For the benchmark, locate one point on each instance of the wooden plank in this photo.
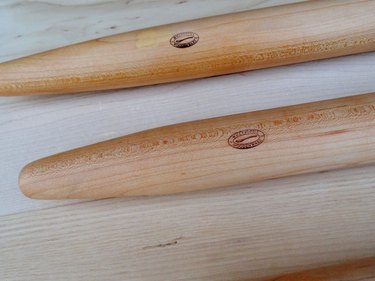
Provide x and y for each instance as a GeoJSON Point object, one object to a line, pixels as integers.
{"type": "Point", "coordinates": [266, 229]}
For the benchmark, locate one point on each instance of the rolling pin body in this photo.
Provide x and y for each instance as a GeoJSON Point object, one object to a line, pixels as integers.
{"type": "Point", "coordinates": [200, 48]}
{"type": "Point", "coordinates": [218, 152]}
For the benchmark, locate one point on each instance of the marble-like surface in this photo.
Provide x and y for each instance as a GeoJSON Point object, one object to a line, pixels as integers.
{"type": "Point", "coordinates": [237, 233]}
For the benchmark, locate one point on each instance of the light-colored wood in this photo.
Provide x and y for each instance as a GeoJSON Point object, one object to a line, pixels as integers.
{"type": "Point", "coordinates": [230, 43]}
{"type": "Point", "coordinates": [219, 152]}
{"type": "Point", "coordinates": [66, 22]}
{"type": "Point", "coordinates": [39, 126]}
{"type": "Point", "coordinates": [251, 233]}
{"type": "Point", "coordinates": [82, 119]}
{"type": "Point", "coordinates": [266, 229]}
{"type": "Point", "coordinates": [360, 270]}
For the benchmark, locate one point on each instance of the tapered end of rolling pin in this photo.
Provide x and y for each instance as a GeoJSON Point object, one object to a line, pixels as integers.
{"type": "Point", "coordinates": [25, 182]}
{"type": "Point", "coordinates": [48, 179]}
{"type": "Point", "coordinates": [219, 152]}
{"type": "Point", "coordinates": [70, 69]}
{"type": "Point", "coordinates": [311, 30]}
{"type": "Point", "coordinates": [60, 176]}
{"type": "Point", "coordinates": [44, 73]}
{"type": "Point", "coordinates": [51, 178]}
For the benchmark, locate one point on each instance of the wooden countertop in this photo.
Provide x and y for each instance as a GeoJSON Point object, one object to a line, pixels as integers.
{"type": "Point", "coordinates": [240, 233]}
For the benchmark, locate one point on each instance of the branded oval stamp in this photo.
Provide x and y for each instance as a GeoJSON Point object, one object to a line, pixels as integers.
{"type": "Point", "coordinates": [184, 39]}
{"type": "Point", "coordinates": [246, 139]}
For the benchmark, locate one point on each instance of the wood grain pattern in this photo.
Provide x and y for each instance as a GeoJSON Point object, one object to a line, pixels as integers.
{"type": "Point", "coordinates": [361, 270]}
{"type": "Point", "coordinates": [266, 229]}
{"type": "Point", "coordinates": [66, 22]}
{"type": "Point", "coordinates": [229, 43]}
{"type": "Point", "coordinates": [219, 152]}
{"type": "Point", "coordinates": [107, 115]}
{"type": "Point", "coordinates": [46, 125]}
{"type": "Point", "coordinates": [255, 232]}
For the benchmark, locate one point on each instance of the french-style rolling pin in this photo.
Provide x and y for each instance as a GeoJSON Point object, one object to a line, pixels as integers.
{"type": "Point", "coordinates": [218, 152]}
{"type": "Point", "coordinates": [360, 270]}
{"type": "Point", "coordinates": [212, 46]}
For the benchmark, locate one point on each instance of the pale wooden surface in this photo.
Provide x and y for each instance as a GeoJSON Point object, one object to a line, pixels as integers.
{"type": "Point", "coordinates": [358, 270]}
{"type": "Point", "coordinates": [271, 228]}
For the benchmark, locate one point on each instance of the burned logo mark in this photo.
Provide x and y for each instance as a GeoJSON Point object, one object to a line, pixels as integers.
{"type": "Point", "coordinates": [246, 139]}
{"type": "Point", "coordinates": [184, 39]}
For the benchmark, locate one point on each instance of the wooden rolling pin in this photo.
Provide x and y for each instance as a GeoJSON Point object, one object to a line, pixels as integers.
{"type": "Point", "coordinates": [218, 152]}
{"type": "Point", "coordinates": [360, 270]}
{"type": "Point", "coordinates": [212, 46]}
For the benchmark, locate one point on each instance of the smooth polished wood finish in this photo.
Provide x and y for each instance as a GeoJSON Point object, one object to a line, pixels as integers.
{"type": "Point", "coordinates": [211, 153]}
{"type": "Point", "coordinates": [230, 43]}
{"type": "Point", "coordinates": [360, 270]}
